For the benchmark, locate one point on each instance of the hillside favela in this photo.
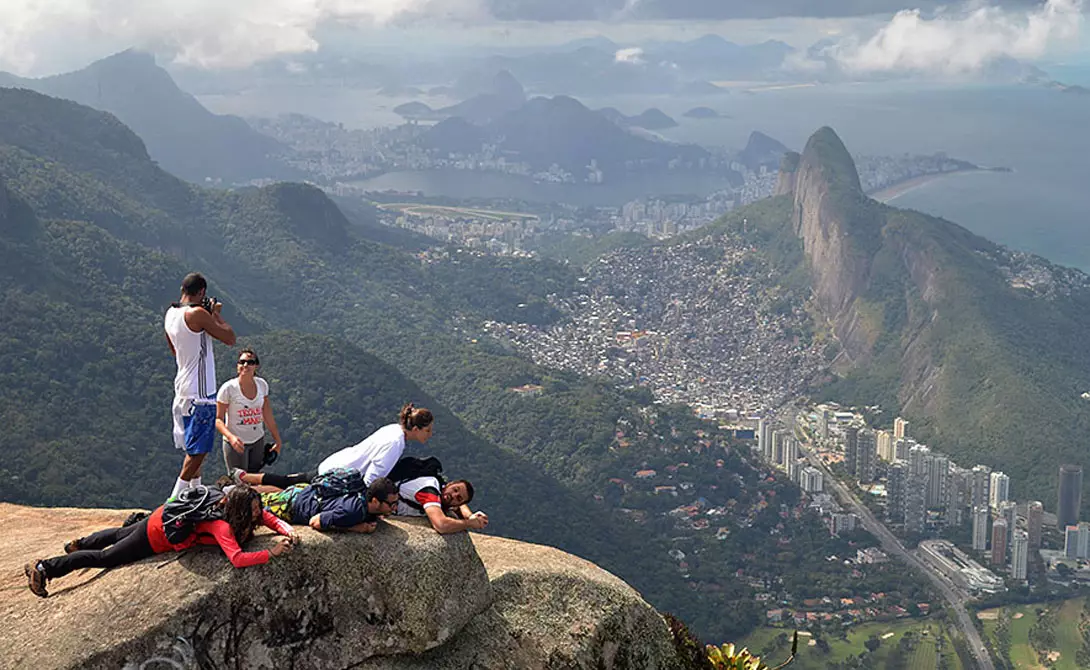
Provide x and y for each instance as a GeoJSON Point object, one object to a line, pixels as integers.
{"type": "Point", "coordinates": [504, 334]}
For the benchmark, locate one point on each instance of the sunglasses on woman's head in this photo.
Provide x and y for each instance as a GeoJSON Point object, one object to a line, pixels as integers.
{"type": "Point", "coordinates": [247, 361]}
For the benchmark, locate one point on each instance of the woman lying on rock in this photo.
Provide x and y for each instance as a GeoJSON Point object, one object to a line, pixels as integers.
{"type": "Point", "coordinates": [201, 515]}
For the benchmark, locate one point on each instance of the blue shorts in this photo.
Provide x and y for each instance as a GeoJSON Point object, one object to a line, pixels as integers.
{"type": "Point", "coordinates": [194, 426]}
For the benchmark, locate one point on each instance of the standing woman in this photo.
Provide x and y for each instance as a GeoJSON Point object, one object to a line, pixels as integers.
{"type": "Point", "coordinates": [242, 413]}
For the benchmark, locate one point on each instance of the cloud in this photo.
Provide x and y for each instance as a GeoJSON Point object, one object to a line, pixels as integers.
{"type": "Point", "coordinates": [959, 43]}
{"type": "Point", "coordinates": [38, 35]}
{"type": "Point", "coordinates": [632, 55]}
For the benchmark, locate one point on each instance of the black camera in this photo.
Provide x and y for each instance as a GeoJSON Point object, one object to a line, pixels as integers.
{"type": "Point", "coordinates": [209, 303]}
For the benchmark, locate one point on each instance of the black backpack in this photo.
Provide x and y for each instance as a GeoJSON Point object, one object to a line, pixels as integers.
{"type": "Point", "coordinates": [338, 482]}
{"type": "Point", "coordinates": [188, 508]}
{"type": "Point", "coordinates": [411, 467]}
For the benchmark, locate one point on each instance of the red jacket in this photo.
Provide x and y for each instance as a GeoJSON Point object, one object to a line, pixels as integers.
{"type": "Point", "coordinates": [214, 532]}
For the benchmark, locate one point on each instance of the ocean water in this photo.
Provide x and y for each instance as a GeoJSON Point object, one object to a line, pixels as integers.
{"type": "Point", "coordinates": [1042, 207]}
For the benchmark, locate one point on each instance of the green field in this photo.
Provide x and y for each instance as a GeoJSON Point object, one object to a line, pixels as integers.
{"type": "Point", "coordinates": [932, 636]}
{"type": "Point", "coordinates": [1068, 638]}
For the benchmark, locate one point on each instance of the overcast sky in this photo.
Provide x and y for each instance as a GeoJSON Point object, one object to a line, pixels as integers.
{"type": "Point", "coordinates": [39, 37]}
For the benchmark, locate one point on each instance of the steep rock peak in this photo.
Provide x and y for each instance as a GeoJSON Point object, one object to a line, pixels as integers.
{"type": "Point", "coordinates": [789, 170]}
{"type": "Point", "coordinates": [840, 231]}
{"type": "Point", "coordinates": [826, 152]}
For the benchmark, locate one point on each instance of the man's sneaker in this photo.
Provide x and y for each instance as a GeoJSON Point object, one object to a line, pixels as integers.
{"type": "Point", "coordinates": [71, 546]}
{"type": "Point", "coordinates": [36, 579]}
{"type": "Point", "coordinates": [236, 476]}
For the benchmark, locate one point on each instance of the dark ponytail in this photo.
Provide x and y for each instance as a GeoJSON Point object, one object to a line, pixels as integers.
{"type": "Point", "coordinates": [414, 417]}
{"type": "Point", "coordinates": [239, 512]}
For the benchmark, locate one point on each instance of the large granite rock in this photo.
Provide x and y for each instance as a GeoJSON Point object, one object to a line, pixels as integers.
{"type": "Point", "coordinates": [405, 598]}
{"type": "Point", "coordinates": [550, 610]}
{"type": "Point", "coordinates": [334, 602]}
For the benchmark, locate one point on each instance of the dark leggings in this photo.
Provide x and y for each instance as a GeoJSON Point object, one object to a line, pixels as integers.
{"type": "Point", "coordinates": [105, 549]}
{"type": "Point", "coordinates": [286, 481]}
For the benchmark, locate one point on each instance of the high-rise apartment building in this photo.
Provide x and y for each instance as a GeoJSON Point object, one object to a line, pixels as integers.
{"type": "Point", "coordinates": [939, 473]}
{"type": "Point", "coordinates": [851, 446]}
{"type": "Point", "coordinates": [811, 480]}
{"type": "Point", "coordinates": [884, 439]}
{"type": "Point", "coordinates": [864, 456]}
{"type": "Point", "coordinates": [1035, 516]}
{"type": "Point", "coordinates": [1070, 495]}
{"type": "Point", "coordinates": [900, 428]}
{"type": "Point", "coordinates": [896, 487]}
{"type": "Point", "coordinates": [980, 528]}
{"type": "Point", "coordinates": [1008, 510]}
{"type": "Point", "coordinates": [900, 449]}
{"type": "Point", "coordinates": [999, 489]}
{"type": "Point", "coordinates": [957, 496]}
{"type": "Point", "coordinates": [1020, 555]}
{"type": "Point", "coordinates": [999, 542]}
{"type": "Point", "coordinates": [981, 485]}
{"type": "Point", "coordinates": [764, 439]}
{"type": "Point", "coordinates": [1071, 542]}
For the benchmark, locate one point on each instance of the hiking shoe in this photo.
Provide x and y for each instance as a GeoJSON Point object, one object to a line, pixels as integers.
{"type": "Point", "coordinates": [36, 579]}
{"type": "Point", "coordinates": [236, 476]}
{"type": "Point", "coordinates": [71, 546]}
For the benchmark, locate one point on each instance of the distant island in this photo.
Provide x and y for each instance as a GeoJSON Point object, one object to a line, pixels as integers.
{"type": "Point", "coordinates": [702, 113]}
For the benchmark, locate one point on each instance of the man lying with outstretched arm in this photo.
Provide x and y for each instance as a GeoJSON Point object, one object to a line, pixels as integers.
{"type": "Point", "coordinates": [423, 497]}
{"type": "Point", "coordinates": [357, 513]}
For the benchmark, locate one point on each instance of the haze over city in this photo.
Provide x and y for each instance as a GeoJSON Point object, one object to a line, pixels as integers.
{"type": "Point", "coordinates": [775, 311]}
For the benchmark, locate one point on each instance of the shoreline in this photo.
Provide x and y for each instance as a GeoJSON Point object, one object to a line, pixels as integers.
{"type": "Point", "coordinates": [891, 192]}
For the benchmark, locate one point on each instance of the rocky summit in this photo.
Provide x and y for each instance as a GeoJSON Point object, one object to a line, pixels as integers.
{"type": "Point", "coordinates": [404, 597]}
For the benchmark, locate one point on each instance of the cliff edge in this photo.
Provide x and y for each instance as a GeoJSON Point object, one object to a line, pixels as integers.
{"type": "Point", "coordinates": [405, 597]}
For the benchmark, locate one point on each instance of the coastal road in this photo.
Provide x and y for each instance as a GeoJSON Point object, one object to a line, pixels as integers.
{"type": "Point", "coordinates": [891, 545]}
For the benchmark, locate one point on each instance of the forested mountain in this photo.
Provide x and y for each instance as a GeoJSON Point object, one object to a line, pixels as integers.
{"type": "Point", "coordinates": [95, 238]}
{"type": "Point", "coordinates": [183, 136]}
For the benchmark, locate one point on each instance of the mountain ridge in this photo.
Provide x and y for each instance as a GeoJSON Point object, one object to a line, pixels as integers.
{"type": "Point", "coordinates": [181, 133]}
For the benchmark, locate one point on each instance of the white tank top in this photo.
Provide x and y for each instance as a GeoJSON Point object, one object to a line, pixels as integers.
{"type": "Point", "coordinates": [196, 376]}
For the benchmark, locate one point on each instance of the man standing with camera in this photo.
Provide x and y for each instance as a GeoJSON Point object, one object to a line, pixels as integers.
{"type": "Point", "coordinates": [190, 325]}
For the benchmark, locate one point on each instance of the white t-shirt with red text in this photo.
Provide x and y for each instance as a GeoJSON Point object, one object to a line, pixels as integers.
{"type": "Point", "coordinates": [245, 416]}
{"type": "Point", "coordinates": [417, 495]}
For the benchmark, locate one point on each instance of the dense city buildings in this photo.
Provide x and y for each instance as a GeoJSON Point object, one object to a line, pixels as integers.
{"type": "Point", "coordinates": [1069, 496]}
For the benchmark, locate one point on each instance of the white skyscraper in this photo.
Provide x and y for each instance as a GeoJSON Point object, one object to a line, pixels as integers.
{"type": "Point", "coordinates": [764, 437]}
{"type": "Point", "coordinates": [999, 489]}
{"type": "Point", "coordinates": [980, 528]}
{"type": "Point", "coordinates": [811, 480]}
{"type": "Point", "coordinates": [1020, 555]}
